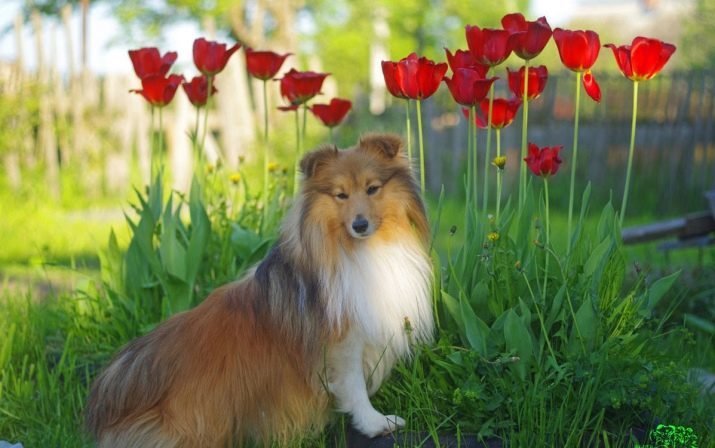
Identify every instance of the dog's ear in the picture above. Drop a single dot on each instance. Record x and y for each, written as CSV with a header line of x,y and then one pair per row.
x,y
312,161
384,145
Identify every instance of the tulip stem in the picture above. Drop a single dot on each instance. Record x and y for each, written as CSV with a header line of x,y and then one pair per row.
x,y
474,160
422,150
631,150
265,156
573,161
296,170
485,193
409,131
546,247
332,135
161,140
153,146
499,176
524,127
470,174
209,82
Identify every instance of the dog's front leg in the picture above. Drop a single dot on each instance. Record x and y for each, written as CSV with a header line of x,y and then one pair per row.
x,y
347,384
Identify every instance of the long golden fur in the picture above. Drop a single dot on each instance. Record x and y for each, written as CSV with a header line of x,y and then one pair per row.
x,y
251,363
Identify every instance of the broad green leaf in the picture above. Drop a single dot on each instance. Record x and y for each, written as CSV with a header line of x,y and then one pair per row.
x,y
700,323
597,258
553,308
585,328
518,340
454,310
657,290
612,278
476,330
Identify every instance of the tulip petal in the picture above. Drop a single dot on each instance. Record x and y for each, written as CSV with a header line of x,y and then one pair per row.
x,y
591,86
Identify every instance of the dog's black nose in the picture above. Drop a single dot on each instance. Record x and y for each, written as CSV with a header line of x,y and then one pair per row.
x,y
360,224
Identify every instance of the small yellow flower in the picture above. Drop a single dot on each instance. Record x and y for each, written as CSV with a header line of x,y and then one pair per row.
x,y
517,265
235,178
499,162
493,236
210,169
272,167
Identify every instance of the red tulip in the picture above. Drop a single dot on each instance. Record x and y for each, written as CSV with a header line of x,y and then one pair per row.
x,y
299,87
529,38
537,81
264,64
468,87
332,114
290,108
489,46
503,112
413,77
148,62
643,59
543,161
197,90
159,91
578,51
465,59
211,57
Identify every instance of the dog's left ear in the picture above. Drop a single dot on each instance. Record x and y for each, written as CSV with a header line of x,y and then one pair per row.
x,y
384,145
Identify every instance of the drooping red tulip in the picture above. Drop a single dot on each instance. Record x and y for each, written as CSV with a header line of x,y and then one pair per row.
x,y
197,90
211,57
538,76
332,114
544,161
503,112
578,51
529,37
643,59
413,77
149,62
159,91
465,59
264,64
468,87
490,46
299,87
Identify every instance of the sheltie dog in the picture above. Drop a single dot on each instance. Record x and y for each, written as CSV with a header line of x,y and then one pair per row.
x,y
318,324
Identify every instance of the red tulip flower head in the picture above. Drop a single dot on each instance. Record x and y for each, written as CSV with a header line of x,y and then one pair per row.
x,y
264,64
544,161
503,112
413,77
537,81
148,62
332,114
198,90
299,87
468,87
489,46
528,38
578,51
211,57
643,59
159,91
465,59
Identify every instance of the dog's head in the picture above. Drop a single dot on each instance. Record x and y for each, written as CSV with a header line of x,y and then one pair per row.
x,y
363,191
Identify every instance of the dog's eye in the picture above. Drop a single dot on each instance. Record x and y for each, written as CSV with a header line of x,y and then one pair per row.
x,y
372,190
342,196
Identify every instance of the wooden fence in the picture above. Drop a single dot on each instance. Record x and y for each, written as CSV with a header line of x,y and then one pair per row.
x,y
675,139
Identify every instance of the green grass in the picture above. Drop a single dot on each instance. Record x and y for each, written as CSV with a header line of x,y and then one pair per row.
x,y
56,340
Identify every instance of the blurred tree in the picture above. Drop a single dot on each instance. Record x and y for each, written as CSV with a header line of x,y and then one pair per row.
x,y
698,43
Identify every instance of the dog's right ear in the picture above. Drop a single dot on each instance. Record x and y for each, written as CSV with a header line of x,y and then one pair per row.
x,y
312,161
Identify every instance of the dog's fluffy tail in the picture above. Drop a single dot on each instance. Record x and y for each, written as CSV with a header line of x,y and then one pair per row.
x,y
214,376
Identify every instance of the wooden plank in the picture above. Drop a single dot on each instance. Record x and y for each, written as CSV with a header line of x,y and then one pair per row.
x,y
691,226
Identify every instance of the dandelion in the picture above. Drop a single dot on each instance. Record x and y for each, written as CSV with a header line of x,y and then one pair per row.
x,y
235,178
499,162
272,167
493,236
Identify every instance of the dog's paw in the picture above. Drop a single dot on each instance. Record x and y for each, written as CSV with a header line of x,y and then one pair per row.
x,y
378,425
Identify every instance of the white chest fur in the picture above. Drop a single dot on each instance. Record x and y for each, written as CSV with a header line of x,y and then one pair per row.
x,y
383,290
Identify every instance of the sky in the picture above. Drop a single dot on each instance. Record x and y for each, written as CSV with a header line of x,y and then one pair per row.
x,y
105,57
